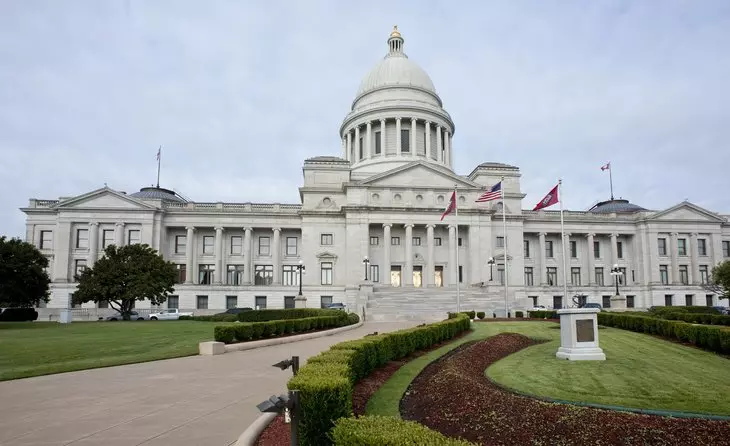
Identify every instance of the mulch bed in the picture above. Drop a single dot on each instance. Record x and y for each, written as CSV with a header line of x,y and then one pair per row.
x,y
453,396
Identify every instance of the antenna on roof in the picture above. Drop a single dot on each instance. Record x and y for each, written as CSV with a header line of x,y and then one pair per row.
x,y
159,158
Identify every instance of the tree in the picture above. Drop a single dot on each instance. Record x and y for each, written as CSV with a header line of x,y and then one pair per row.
x,y
24,281
720,281
125,275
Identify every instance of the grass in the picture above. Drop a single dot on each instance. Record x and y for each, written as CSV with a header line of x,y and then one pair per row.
x,y
41,348
640,372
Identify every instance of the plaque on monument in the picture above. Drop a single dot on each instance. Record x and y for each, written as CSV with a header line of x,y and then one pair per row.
x,y
584,330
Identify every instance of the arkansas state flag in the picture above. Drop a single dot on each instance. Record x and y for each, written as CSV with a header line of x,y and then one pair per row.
x,y
550,199
451,207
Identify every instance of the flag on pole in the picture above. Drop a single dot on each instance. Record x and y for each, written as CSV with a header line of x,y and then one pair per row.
x,y
606,166
451,207
492,194
159,153
550,199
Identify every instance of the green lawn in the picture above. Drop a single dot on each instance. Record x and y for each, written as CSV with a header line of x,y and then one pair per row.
x,y
41,348
640,372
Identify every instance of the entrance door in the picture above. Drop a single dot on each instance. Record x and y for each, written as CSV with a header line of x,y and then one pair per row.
x,y
395,275
417,276
438,278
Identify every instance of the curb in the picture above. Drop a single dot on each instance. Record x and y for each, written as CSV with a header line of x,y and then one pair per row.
x,y
251,434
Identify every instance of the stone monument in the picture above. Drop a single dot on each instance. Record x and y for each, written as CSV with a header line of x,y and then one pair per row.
x,y
579,335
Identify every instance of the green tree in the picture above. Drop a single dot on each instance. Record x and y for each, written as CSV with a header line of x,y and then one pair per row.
x,y
125,275
23,279
720,281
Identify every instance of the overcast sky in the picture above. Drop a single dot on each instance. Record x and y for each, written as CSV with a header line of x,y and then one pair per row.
x,y
239,93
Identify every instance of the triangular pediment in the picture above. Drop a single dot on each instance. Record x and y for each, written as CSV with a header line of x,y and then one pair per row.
x,y
104,198
419,174
687,211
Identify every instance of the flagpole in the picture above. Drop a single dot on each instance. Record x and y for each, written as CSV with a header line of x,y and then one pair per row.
x,y
456,215
610,179
565,252
506,251
159,159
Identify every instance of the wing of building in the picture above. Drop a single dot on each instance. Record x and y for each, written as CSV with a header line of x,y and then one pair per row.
x,y
383,201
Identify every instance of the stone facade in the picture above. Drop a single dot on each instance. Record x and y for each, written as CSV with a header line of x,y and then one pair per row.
x,y
383,200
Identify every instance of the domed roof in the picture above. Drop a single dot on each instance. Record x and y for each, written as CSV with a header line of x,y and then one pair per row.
x,y
617,206
157,193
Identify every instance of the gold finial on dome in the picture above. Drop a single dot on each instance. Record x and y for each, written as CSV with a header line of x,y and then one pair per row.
x,y
395,32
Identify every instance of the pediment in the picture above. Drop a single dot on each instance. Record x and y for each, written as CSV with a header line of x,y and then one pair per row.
x,y
104,198
419,174
326,255
687,211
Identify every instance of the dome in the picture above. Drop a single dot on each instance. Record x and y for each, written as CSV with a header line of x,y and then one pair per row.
x,y
617,206
157,193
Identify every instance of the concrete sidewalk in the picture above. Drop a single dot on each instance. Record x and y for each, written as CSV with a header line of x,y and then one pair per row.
x,y
198,400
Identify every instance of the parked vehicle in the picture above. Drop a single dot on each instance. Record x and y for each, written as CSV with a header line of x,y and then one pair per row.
x,y
722,310
593,305
234,311
171,314
336,306
538,308
133,316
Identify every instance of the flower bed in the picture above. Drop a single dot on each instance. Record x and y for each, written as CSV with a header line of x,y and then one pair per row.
x,y
453,396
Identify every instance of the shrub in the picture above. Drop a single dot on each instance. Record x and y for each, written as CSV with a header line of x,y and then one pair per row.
x,y
519,314
387,431
480,315
543,314
18,315
288,313
224,333
248,331
353,318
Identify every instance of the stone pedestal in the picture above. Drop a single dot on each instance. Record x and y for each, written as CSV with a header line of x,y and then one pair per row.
x,y
66,316
300,302
618,302
579,335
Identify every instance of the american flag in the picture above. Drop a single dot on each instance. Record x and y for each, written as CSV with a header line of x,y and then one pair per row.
x,y
492,194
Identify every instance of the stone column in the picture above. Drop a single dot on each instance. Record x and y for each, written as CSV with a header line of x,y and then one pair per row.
x,y
369,141
190,275
344,147
276,256
447,144
218,277
397,135
715,249
413,139
614,249
543,264
119,234
247,257
439,144
386,253
453,267
693,253
591,260
357,144
428,139
674,252
62,237
349,146
382,137
93,244
430,273
408,273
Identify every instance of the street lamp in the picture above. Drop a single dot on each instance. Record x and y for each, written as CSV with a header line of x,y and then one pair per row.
x,y
366,262
491,268
301,268
616,272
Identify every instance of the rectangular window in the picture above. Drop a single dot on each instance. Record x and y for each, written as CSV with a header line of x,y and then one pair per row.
x,y
461,274
534,300
629,301
416,241
702,246
599,276
622,276
326,273
549,249
573,249
529,278
575,275
557,302
107,238
260,302
290,275
378,147
374,241
683,275
231,302
500,242
234,275
726,248
205,274
596,250
264,246
324,301
291,246
289,302
664,274
134,237
606,301
82,238
668,300
405,141
201,302
375,273
326,239
361,146
682,246
173,302
80,266
709,301
526,245
236,245
208,244
395,241
620,250
180,244
181,273
704,275
662,246
46,240
437,241
552,275
459,242
689,300
102,304
263,274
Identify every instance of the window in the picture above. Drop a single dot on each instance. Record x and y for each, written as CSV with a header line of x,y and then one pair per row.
x,y
291,246
325,239
500,242
180,244
263,274
374,273
205,274
702,246
236,245
374,241
682,246
208,243
79,268
549,249
264,246
234,275
181,273
599,276
622,276
552,275
668,300
326,273
46,239
173,302
378,147
107,238
664,274
596,250
526,245
289,302
405,141
534,300
231,302
103,304
704,274
629,301
133,236
662,246
260,302
709,300
461,273
573,249
361,146
460,242
201,302
557,302
529,277
689,300
575,275
395,241
82,238
620,250
416,241
683,275
606,301
290,275
437,241
324,301
726,248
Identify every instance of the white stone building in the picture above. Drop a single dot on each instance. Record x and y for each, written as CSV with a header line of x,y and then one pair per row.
x,y
383,200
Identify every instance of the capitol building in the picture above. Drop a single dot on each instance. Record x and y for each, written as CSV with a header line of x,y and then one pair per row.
x,y
369,232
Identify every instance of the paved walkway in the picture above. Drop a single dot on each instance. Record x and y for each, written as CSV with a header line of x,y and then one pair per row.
x,y
198,400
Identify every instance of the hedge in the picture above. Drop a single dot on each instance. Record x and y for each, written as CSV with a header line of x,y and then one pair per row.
x,y
251,331
283,314
18,315
697,318
660,311
714,339
326,382
387,431
543,314
212,318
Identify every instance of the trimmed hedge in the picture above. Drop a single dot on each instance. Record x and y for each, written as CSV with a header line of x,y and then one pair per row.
x,y
543,314
472,314
714,339
373,430
326,382
251,331
283,314
660,311
697,318
18,315
212,318
519,314
481,315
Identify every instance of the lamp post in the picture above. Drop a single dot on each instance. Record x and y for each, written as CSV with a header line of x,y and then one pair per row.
x,y
300,268
615,272
366,262
491,268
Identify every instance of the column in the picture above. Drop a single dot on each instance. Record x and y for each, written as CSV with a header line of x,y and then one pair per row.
x,y
386,254
566,252
397,135
349,146
428,139
247,259
344,147
276,255
715,249
369,141
408,273
591,260
413,137
93,244
693,253
218,277
448,149
674,252
453,267
357,144
439,144
190,274
62,237
614,249
382,138
119,234
543,265
430,272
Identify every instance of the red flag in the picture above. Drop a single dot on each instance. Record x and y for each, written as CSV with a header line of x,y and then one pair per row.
x,y
451,207
606,166
550,199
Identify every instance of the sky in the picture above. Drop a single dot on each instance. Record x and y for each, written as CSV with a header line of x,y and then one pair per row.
x,y
239,93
